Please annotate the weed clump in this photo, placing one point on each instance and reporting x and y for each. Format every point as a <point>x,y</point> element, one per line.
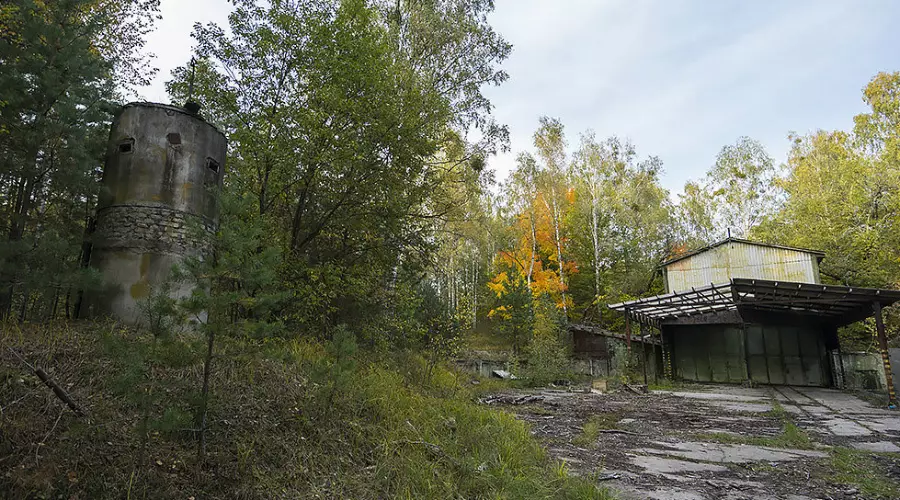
<point>591,429</point>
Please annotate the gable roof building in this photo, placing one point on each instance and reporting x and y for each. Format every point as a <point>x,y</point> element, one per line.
<point>738,258</point>
<point>740,310</point>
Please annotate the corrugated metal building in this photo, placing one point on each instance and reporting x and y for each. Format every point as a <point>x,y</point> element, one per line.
<point>740,310</point>
<point>738,258</point>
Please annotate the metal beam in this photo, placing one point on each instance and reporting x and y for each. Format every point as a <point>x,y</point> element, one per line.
<point>885,355</point>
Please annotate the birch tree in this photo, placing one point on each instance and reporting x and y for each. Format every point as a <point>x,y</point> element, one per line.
<point>593,167</point>
<point>550,142</point>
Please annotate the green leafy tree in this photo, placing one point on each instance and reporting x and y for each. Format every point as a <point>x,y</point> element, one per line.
<point>64,64</point>
<point>514,309</point>
<point>346,122</point>
<point>842,195</point>
<point>742,183</point>
<point>235,292</point>
<point>696,213</point>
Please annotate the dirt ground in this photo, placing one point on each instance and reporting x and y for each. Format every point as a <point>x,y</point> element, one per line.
<point>714,441</point>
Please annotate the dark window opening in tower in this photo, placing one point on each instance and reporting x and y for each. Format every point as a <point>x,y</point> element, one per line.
<point>212,165</point>
<point>126,146</point>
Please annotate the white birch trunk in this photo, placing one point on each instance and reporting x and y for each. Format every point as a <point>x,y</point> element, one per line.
<point>555,216</point>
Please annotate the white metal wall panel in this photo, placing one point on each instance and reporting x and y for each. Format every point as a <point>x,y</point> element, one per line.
<point>741,260</point>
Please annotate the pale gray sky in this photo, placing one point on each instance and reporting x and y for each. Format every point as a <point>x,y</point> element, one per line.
<point>680,78</point>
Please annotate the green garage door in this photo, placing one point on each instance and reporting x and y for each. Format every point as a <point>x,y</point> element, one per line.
<point>709,353</point>
<point>786,355</point>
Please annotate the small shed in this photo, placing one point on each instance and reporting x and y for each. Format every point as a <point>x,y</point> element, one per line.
<point>751,323</point>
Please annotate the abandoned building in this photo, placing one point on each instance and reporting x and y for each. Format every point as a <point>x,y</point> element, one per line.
<point>740,310</point>
<point>163,164</point>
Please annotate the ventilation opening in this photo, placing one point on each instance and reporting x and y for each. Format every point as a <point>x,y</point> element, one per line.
<point>212,165</point>
<point>126,146</point>
<point>174,139</point>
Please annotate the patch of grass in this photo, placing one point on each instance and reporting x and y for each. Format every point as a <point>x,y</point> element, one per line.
<point>789,438</point>
<point>665,385</point>
<point>590,431</point>
<point>791,435</point>
<point>538,410</point>
<point>778,411</point>
<point>858,468</point>
<point>288,419</point>
<point>484,339</point>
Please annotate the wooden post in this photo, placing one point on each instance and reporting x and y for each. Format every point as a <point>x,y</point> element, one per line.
<point>746,353</point>
<point>628,329</point>
<point>885,355</point>
<point>644,352</point>
<point>655,364</point>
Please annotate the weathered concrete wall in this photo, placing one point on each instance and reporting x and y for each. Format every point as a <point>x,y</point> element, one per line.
<point>895,367</point>
<point>863,370</point>
<point>163,167</point>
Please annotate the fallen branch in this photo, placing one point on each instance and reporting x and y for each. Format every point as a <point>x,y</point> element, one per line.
<point>511,399</point>
<point>618,431</point>
<point>59,391</point>
<point>641,391</point>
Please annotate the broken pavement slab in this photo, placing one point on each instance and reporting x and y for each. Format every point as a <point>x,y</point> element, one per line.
<point>659,465</point>
<point>762,398</point>
<point>664,454</point>
<point>878,447</point>
<point>845,427</point>
<point>729,453</point>
<point>754,407</point>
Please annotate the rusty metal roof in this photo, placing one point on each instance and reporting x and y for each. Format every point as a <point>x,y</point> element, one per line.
<point>603,332</point>
<point>840,305</point>
<point>818,253</point>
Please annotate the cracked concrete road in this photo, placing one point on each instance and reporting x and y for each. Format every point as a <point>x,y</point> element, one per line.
<point>715,441</point>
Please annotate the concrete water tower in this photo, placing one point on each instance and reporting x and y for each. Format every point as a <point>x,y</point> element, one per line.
<point>163,164</point>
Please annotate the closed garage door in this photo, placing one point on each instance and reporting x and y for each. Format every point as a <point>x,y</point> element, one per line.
<point>786,355</point>
<point>709,353</point>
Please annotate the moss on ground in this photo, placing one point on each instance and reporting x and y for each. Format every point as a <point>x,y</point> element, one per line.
<point>861,470</point>
<point>791,435</point>
<point>288,419</point>
<point>847,466</point>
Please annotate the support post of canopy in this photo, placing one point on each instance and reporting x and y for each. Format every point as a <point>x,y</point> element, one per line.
<point>628,329</point>
<point>644,352</point>
<point>655,364</point>
<point>885,355</point>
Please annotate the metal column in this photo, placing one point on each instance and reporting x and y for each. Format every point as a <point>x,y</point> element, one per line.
<point>885,355</point>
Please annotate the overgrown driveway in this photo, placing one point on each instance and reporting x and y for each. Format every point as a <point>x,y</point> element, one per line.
<point>714,441</point>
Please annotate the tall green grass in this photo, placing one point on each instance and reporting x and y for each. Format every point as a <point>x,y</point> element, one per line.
<point>289,419</point>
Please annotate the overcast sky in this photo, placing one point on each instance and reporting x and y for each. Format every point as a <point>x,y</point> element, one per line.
<point>679,78</point>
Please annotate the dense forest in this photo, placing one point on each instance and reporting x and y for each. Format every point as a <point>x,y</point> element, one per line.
<point>359,212</point>
<point>358,189</point>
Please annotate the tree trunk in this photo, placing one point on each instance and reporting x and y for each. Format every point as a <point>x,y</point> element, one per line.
<point>595,240</point>
<point>556,216</point>
<point>204,404</point>
<point>533,249</point>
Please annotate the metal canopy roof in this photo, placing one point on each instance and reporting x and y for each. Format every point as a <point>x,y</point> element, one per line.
<point>839,305</point>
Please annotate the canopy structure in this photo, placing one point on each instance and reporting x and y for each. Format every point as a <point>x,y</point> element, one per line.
<point>838,305</point>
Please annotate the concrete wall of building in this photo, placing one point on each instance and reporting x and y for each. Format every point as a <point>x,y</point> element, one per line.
<point>157,200</point>
<point>895,367</point>
<point>735,259</point>
<point>862,370</point>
